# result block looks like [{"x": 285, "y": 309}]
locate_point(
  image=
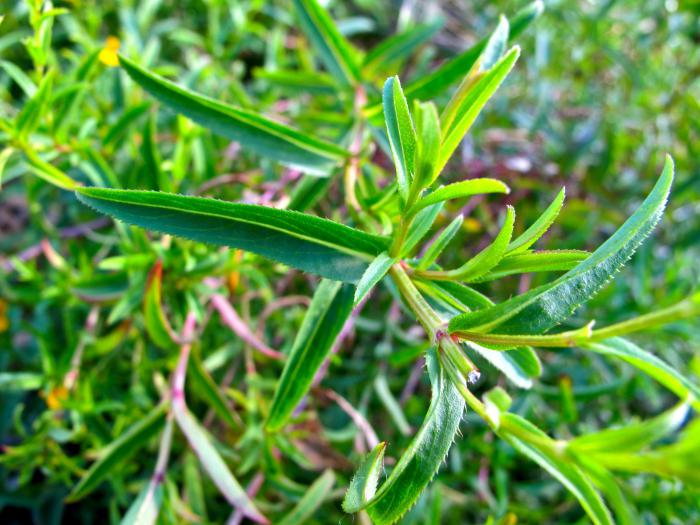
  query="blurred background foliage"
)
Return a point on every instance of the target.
[{"x": 603, "y": 89}]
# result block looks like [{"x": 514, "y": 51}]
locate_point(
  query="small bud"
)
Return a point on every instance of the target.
[{"x": 473, "y": 377}]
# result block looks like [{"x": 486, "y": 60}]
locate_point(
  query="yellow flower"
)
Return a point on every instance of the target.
[
  {"x": 108, "y": 55},
  {"x": 4, "y": 321},
  {"x": 56, "y": 397}
]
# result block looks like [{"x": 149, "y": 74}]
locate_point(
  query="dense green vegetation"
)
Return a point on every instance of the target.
[{"x": 416, "y": 262}]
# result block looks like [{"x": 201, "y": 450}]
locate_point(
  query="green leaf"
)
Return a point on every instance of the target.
[
  {"x": 5, "y": 155},
  {"x": 542, "y": 308},
  {"x": 392, "y": 406},
  {"x": 539, "y": 227},
  {"x": 305, "y": 242},
  {"x": 401, "y": 133},
  {"x": 30, "y": 116},
  {"x": 519, "y": 365},
  {"x": 313, "y": 498},
  {"x": 304, "y": 81},
  {"x": 204, "y": 387},
  {"x": 421, "y": 460},
  {"x": 540, "y": 448},
  {"x": 308, "y": 191},
  {"x": 486, "y": 259},
  {"x": 119, "y": 451},
  {"x": 48, "y": 171},
  {"x": 459, "y": 190},
  {"x": 542, "y": 261},
  {"x": 428, "y": 147},
  {"x": 330, "y": 308},
  {"x": 457, "y": 295},
  {"x": 495, "y": 46},
  {"x": 364, "y": 483},
  {"x": 374, "y": 273},
  {"x": 17, "y": 381},
  {"x": 650, "y": 365},
  {"x": 213, "y": 464},
  {"x": 467, "y": 105},
  {"x": 156, "y": 323},
  {"x": 420, "y": 226},
  {"x": 144, "y": 509},
  {"x": 396, "y": 48},
  {"x": 263, "y": 136},
  {"x": 20, "y": 77},
  {"x": 439, "y": 244},
  {"x": 634, "y": 436},
  {"x": 335, "y": 51}
]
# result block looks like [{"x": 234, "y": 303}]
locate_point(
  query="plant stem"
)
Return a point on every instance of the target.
[
  {"x": 682, "y": 310},
  {"x": 433, "y": 325}
]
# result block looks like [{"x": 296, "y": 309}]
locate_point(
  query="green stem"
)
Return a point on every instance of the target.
[{"x": 682, "y": 310}]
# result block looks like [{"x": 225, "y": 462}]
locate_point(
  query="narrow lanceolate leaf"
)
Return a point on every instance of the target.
[
  {"x": 335, "y": 51},
  {"x": 374, "y": 273},
  {"x": 119, "y": 451},
  {"x": 439, "y": 244},
  {"x": 543, "y": 261},
  {"x": 650, "y": 365},
  {"x": 459, "y": 190},
  {"x": 30, "y": 117},
  {"x": 419, "y": 462},
  {"x": 539, "y": 227},
  {"x": 428, "y": 147},
  {"x": 157, "y": 324},
  {"x": 470, "y": 104},
  {"x": 540, "y": 448},
  {"x": 329, "y": 309},
  {"x": 311, "y": 500},
  {"x": 634, "y": 436},
  {"x": 483, "y": 261},
  {"x": 305, "y": 242},
  {"x": 402, "y": 134},
  {"x": 420, "y": 226},
  {"x": 489, "y": 57},
  {"x": 213, "y": 464},
  {"x": 144, "y": 509},
  {"x": 398, "y": 47},
  {"x": 364, "y": 483},
  {"x": 542, "y": 308},
  {"x": 264, "y": 136}
]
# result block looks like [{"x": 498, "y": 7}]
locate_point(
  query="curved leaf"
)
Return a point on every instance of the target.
[
  {"x": 483, "y": 261},
  {"x": 459, "y": 190},
  {"x": 420, "y": 461},
  {"x": 470, "y": 103},
  {"x": 311, "y": 500},
  {"x": 305, "y": 242},
  {"x": 542, "y": 261},
  {"x": 156, "y": 323},
  {"x": 650, "y": 365},
  {"x": 401, "y": 133},
  {"x": 439, "y": 244},
  {"x": 374, "y": 273},
  {"x": 264, "y": 136},
  {"x": 542, "y": 308},
  {"x": 329, "y": 309},
  {"x": 539, "y": 227}
]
